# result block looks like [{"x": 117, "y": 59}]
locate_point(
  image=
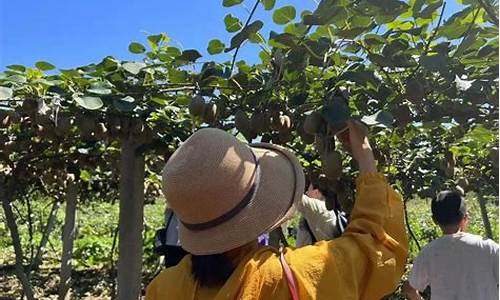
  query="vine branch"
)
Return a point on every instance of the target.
[
  {"x": 431, "y": 38},
  {"x": 246, "y": 25}
]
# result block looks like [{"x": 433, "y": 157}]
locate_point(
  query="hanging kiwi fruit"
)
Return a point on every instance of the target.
[
  {"x": 114, "y": 125},
  {"x": 403, "y": 115},
  {"x": 447, "y": 165},
  {"x": 63, "y": 125},
  {"x": 332, "y": 164},
  {"x": 8, "y": 117},
  {"x": 241, "y": 121},
  {"x": 313, "y": 123},
  {"x": 415, "y": 91},
  {"x": 86, "y": 125},
  {"x": 101, "y": 132},
  {"x": 209, "y": 113},
  {"x": 30, "y": 106},
  {"x": 258, "y": 123},
  {"x": 305, "y": 137},
  {"x": 124, "y": 128},
  {"x": 197, "y": 106},
  {"x": 285, "y": 124}
]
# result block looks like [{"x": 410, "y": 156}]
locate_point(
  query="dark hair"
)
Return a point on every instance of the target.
[
  {"x": 448, "y": 208},
  {"x": 211, "y": 270}
]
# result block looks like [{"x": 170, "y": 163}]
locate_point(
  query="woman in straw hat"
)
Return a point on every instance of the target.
[{"x": 226, "y": 193}]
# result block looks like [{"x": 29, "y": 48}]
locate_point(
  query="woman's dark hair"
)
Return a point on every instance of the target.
[
  {"x": 211, "y": 270},
  {"x": 448, "y": 208}
]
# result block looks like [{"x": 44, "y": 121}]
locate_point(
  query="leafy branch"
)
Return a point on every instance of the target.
[
  {"x": 431, "y": 38},
  {"x": 246, "y": 25}
]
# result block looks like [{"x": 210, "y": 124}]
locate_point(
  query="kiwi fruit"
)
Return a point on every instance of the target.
[
  {"x": 30, "y": 106},
  {"x": 114, "y": 126},
  {"x": 101, "y": 132},
  {"x": 334, "y": 128},
  {"x": 447, "y": 165},
  {"x": 403, "y": 115},
  {"x": 285, "y": 123},
  {"x": 313, "y": 122},
  {"x": 209, "y": 113},
  {"x": 197, "y": 106},
  {"x": 257, "y": 123},
  {"x": 8, "y": 117},
  {"x": 63, "y": 125},
  {"x": 136, "y": 126},
  {"x": 305, "y": 137},
  {"x": 86, "y": 125},
  {"x": 124, "y": 128},
  {"x": 415, "y": 92},
  {"x": 332, "y": 164},
  {"x": 242, "y": 122}
]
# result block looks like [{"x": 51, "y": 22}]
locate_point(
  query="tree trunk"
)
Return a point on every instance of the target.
[
  {"x": 68, "y": 238},
  {"x": 16, "y": 241},
  {"x": 45, "y": 237},
  {"x": 130, "y": 222},
  {"x": 484, "y": 215}
]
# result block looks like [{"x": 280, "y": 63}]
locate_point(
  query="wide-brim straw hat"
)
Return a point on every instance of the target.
[{"x": 226, "y": 193}]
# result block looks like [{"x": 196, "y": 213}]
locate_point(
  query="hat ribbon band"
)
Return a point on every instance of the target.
[{"x": 235, "y": 210}]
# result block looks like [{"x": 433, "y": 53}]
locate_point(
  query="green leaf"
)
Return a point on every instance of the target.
[
  {"x": 232, "y": 23},
  {"x": 374, "y": 39},
  {"x": 133, "y": 67},
  {"x": 427, "y": 12},
  {"x": 380, "y": 118},
  {"x": 244, "y": 34},
  {"x": 190, "y": 55},
  {"x": 466, "y": 42},
  {"x": 85, "y": 175},
  {"x": 183, "y": 100},
  {"x": 298, "y": 99},
  {"x": 136, "y": 48},
  {"x": 268, "y": 4},
  {"x": 159, "y": 101},
  {"x": 155, "y": 40},
  {"x": 90, "y": 103},
  {"x": 125, "y": 104},
  {"x": 435, "y": 63},
  {"x": 44, "y": 66},
  {"x": 229, "y": 3},
  {"x": 17, "y": 79},
  {"x": 215, "y": 46},
  {"x": 5, "y": 93},
  {"x": 336, "y": 113},
  {"x": 284, "y": 15},
  {"x": 19, "y": 68},
  {"x": 99, "y": 91}
]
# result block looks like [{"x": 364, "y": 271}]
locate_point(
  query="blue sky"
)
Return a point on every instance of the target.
[{"x": 71, "y": 33}]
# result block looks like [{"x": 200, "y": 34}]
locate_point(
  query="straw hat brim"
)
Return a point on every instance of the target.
[{"x": 280, "y": 186}]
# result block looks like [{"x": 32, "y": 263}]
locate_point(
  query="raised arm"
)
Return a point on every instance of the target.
[{"x": 367, "y": 261}]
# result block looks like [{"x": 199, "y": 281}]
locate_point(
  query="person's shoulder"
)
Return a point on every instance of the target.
[
  {"x": 434, "y": 245},
  {"x": 478, "y": 240}
]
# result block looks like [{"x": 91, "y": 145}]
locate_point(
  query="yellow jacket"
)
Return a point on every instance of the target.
[{"x": 366, "y": 262}]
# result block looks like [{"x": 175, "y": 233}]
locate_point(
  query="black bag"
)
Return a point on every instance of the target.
[{"x": 173, "y": 254}]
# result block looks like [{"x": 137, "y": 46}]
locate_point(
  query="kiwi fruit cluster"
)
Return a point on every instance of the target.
[{"x": 198, "y": 108}]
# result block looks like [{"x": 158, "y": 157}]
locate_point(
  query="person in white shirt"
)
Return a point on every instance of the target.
[
  {"x": 317, "y": 222},
  {"x": 458, "y": 265}
]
